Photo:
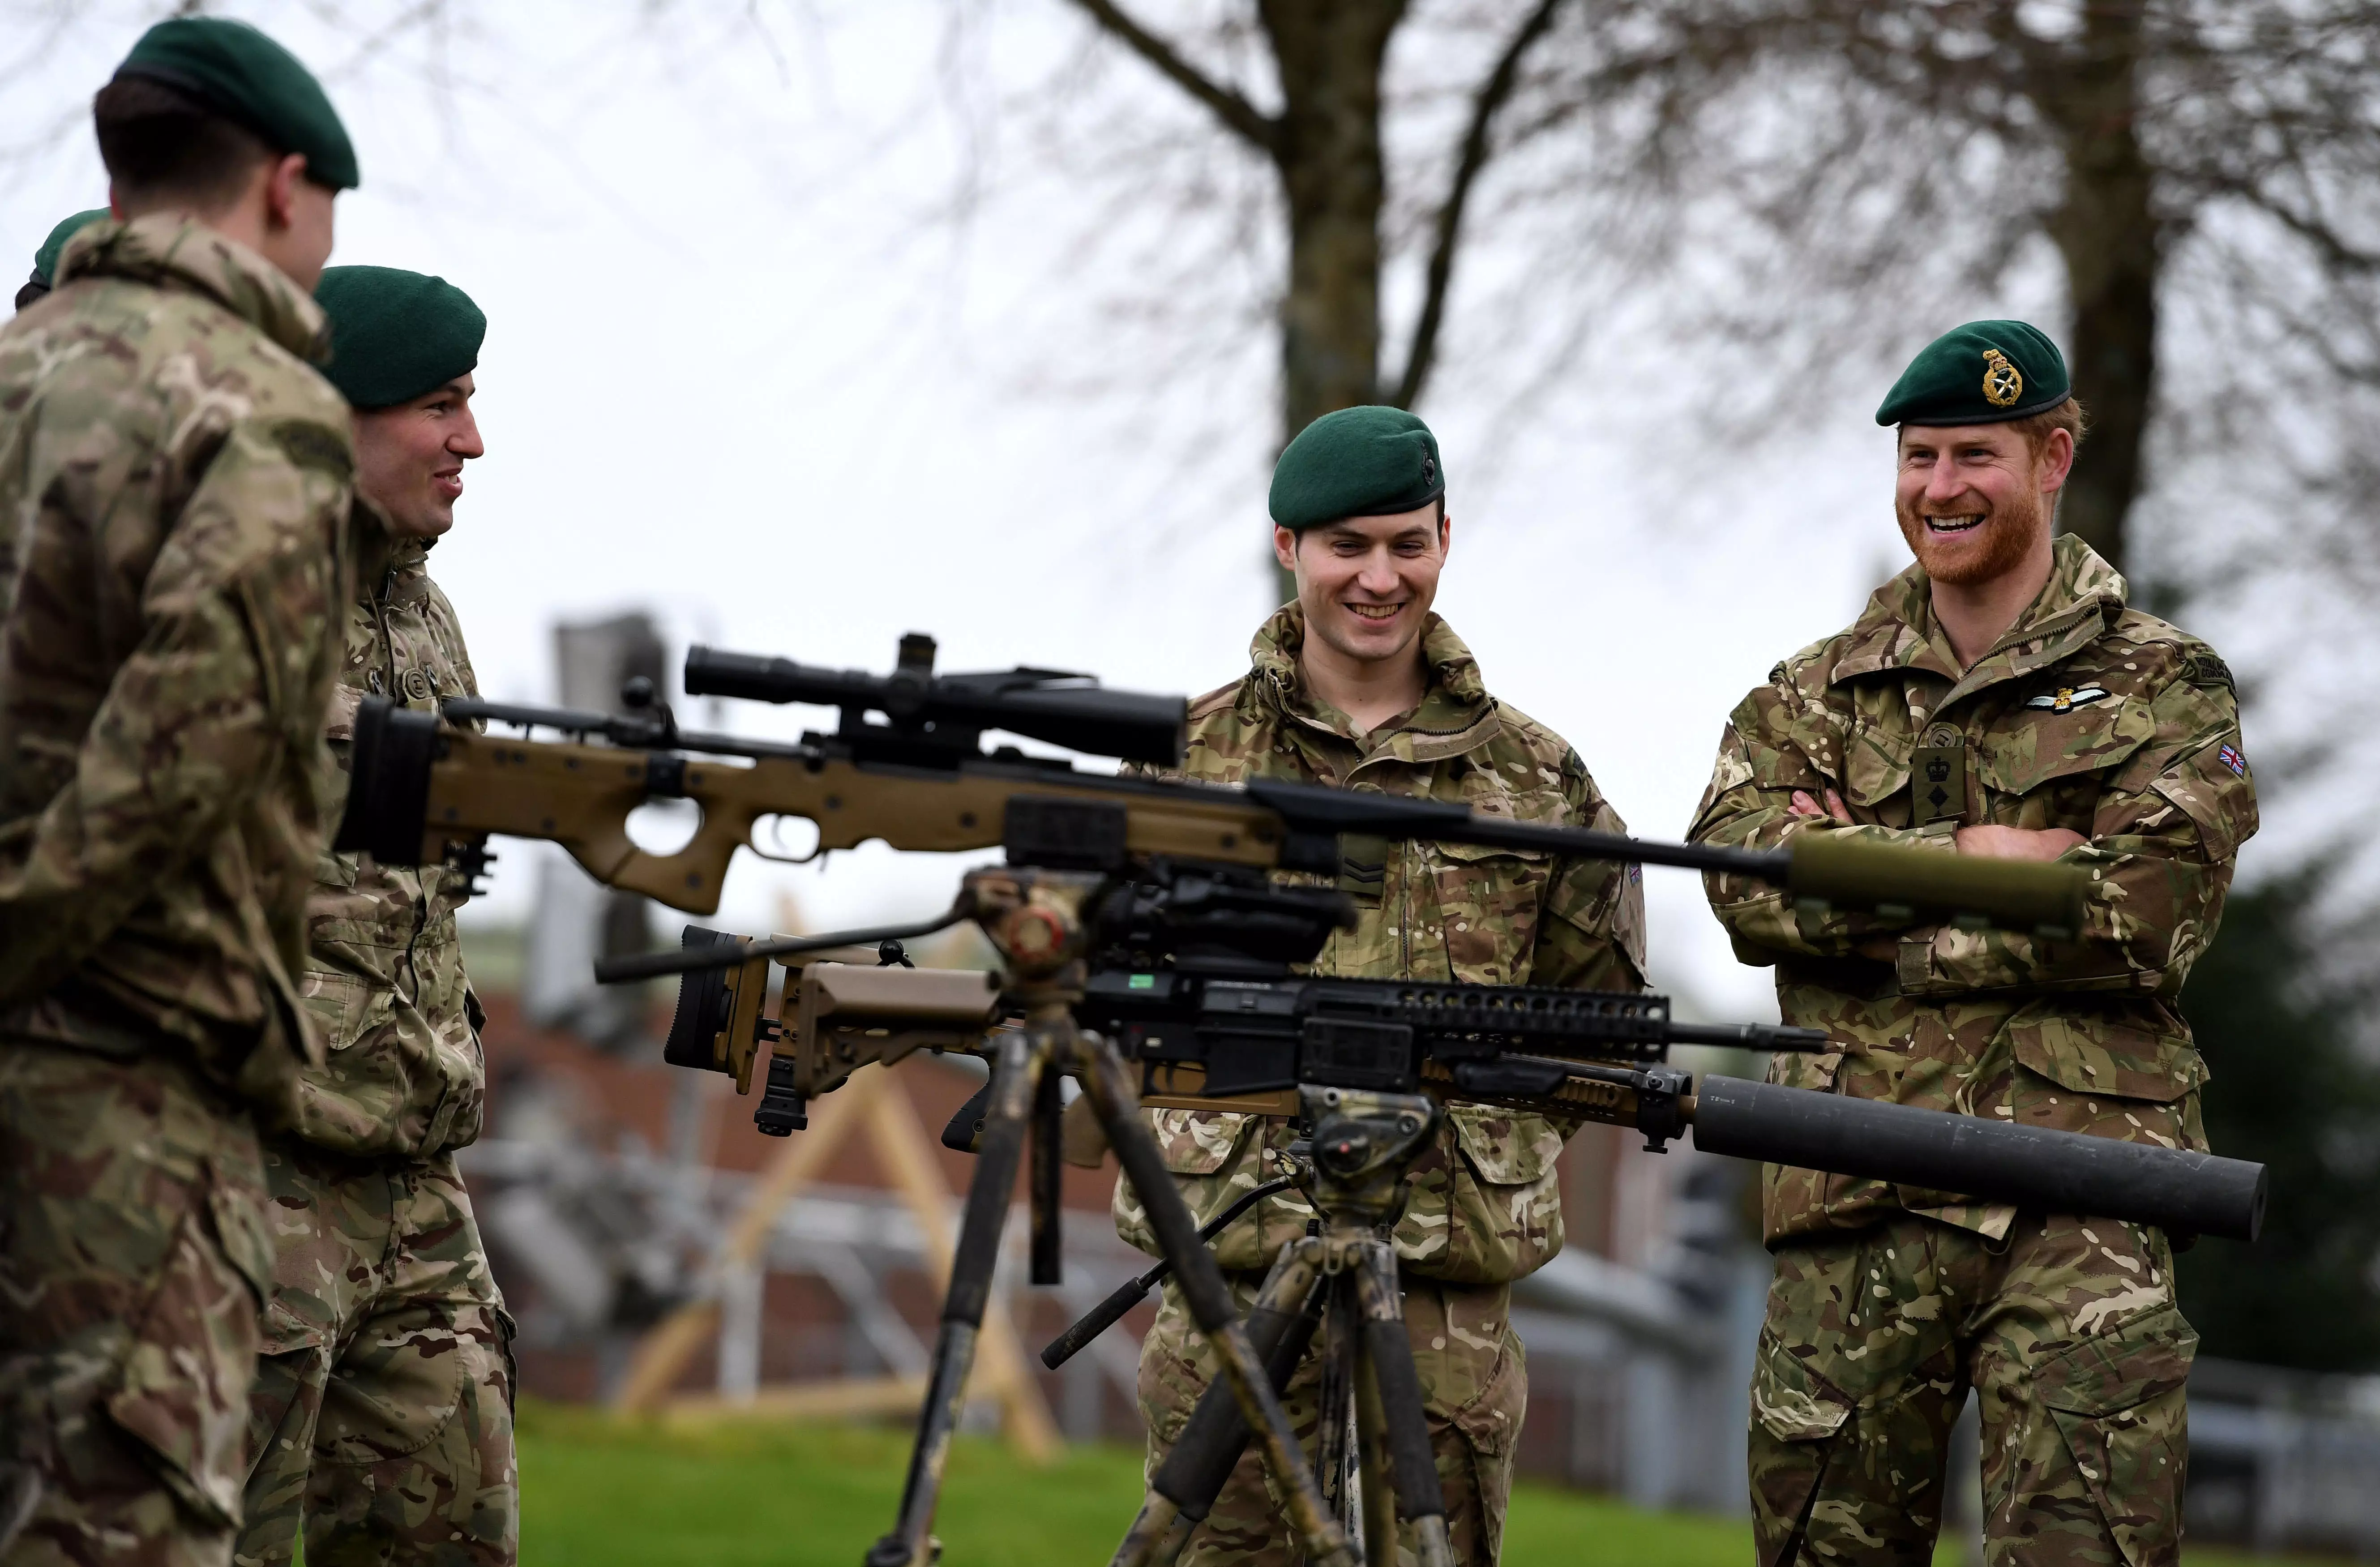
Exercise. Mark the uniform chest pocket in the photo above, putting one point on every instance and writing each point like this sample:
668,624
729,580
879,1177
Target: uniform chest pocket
2036,746
1875,765
1489,901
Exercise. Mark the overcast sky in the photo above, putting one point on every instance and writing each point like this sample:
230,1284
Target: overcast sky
743,373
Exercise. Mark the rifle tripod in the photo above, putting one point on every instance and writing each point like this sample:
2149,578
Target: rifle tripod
1340,1281
1024,1097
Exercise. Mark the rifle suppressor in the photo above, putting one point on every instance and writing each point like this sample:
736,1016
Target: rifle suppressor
2197,1194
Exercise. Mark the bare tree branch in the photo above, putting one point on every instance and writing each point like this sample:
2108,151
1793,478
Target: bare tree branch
1240,116
1421,354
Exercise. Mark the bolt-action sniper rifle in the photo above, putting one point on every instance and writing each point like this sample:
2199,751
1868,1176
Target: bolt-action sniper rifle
425,790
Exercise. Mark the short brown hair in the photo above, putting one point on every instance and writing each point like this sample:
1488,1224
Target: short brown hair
161,145
2068,416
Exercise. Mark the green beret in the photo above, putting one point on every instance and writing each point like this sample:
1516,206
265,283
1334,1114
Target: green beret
395,334
1983,372
246,76
45,260
1357,462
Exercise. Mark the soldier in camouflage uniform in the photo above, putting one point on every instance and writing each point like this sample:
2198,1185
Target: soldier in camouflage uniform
1998,697
1359,498
175,479
383,1409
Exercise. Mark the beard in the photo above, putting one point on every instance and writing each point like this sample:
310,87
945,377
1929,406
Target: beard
1994,547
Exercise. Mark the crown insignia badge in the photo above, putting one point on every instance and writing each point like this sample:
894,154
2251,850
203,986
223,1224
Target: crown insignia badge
2003,382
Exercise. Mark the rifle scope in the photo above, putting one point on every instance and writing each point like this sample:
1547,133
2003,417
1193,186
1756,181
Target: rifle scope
948,712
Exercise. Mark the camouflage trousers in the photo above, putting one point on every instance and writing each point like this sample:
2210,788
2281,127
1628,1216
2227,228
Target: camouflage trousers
383,1409
1474,1387
2069,1336
133,1260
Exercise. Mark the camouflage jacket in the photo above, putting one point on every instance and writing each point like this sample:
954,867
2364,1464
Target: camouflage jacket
175,479
2085,715
384,975
1484,1205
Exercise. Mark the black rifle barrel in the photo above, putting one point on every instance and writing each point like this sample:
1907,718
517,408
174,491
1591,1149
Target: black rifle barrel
2032,1167
1072,710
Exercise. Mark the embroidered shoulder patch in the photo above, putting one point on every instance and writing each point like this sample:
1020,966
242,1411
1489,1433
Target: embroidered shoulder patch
2066,698
2231,756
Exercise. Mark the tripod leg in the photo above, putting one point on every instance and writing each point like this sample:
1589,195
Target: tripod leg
1374,1474
1043,1175
1281,1327
1024,1064
1210,1300
1389,1355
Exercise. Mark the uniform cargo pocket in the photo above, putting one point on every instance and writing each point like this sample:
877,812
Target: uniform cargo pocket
1198,1142
1791,1404
1214,1155
182,1389
2125,1060
2120,1406
339,1005
1487,904
1501,1218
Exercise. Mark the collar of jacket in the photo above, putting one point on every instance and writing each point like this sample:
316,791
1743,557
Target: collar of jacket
2081,600
1456,712
385,559
174,250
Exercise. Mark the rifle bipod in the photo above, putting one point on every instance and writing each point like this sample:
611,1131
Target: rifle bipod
1024,1096
1341,1280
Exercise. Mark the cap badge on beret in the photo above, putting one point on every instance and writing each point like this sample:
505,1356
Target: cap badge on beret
2003,382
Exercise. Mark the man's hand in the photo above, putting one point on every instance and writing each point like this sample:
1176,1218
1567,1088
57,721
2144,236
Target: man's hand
1833,809
2018,842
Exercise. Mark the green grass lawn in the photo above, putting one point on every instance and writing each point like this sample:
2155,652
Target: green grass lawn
595,1493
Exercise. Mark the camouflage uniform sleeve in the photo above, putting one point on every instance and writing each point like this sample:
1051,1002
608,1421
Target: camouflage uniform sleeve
2164,834
1764,756
1591,935
226,678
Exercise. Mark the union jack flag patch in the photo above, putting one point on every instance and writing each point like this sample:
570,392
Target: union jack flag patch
2229,757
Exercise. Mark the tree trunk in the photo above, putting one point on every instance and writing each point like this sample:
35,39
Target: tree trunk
1329,55
2107,230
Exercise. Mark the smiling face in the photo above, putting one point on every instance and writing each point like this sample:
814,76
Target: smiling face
409,459
1975,501
1366,583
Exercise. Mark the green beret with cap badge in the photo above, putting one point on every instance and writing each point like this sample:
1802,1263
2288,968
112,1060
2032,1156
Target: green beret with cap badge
396,334
246,77
45,260
1366,461
1983,372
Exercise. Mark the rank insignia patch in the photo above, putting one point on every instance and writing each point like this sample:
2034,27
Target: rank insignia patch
2068,697
2231,757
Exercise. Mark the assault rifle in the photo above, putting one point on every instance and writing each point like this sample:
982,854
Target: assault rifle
425,790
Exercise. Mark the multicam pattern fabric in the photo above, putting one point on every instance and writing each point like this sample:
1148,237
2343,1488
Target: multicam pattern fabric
135,1265
1485,1205
381,1414
383,977
2079,1035
177,480
2068,1334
